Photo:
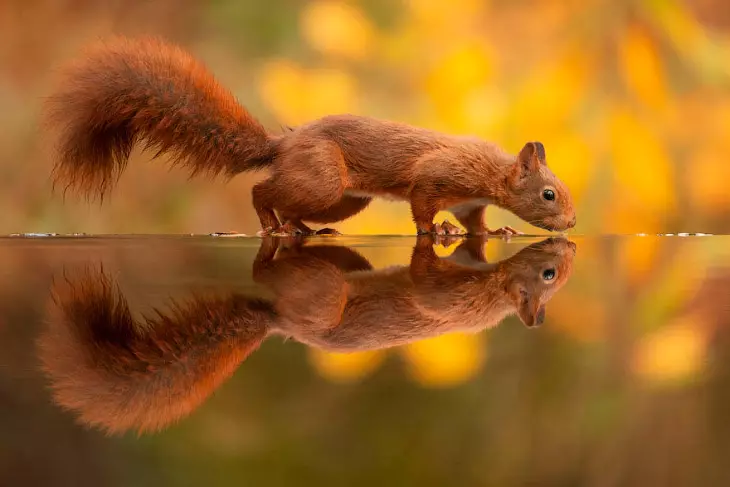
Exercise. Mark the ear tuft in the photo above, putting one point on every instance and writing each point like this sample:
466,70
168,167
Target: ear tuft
540,318
529,309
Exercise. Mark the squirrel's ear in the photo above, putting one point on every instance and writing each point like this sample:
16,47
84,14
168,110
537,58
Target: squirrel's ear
532,314
531,157
529,309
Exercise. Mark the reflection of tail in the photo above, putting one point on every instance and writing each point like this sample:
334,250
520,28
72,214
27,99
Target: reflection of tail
119,373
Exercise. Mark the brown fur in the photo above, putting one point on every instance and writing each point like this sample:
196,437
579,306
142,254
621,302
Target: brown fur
348,311
325,171
119,373
125,91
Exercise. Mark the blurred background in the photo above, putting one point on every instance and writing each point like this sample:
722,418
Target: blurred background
629,98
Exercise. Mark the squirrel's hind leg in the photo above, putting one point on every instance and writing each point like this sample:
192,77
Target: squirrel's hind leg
262,194
309,178
293,225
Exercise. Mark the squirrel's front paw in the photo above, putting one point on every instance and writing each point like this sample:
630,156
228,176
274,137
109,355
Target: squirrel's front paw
447,228
506,231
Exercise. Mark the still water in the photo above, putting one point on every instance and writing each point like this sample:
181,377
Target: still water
361,360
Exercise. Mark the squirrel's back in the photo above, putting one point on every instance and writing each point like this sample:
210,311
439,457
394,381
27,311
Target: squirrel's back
382,156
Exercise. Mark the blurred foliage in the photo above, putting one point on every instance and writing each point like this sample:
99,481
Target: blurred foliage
629,98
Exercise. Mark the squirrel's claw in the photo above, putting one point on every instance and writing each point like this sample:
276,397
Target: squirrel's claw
505,231
289,229
447,228
285,230
444,228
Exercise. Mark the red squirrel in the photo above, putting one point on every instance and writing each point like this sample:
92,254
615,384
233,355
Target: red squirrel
126,91
120,373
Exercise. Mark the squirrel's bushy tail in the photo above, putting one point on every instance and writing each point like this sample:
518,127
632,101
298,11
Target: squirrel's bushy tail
118,373
125,91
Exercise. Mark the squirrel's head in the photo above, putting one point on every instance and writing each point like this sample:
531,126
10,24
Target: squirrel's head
535,273
535,194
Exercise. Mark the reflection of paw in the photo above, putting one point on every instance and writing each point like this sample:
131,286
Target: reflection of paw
327,231
504,232
446,241
431,238
446,228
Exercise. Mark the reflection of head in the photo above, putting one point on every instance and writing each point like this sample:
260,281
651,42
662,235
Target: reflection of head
120,374
535,273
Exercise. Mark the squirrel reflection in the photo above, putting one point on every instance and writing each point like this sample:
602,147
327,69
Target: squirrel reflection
120,373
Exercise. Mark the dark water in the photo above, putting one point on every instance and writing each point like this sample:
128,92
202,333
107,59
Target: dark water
134,361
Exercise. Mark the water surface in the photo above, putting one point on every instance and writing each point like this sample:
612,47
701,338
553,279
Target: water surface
134,361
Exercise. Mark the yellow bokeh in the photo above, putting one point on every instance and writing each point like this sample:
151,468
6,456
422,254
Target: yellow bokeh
708,179
668,288
330,91
680,26
446,360
297,95
637,257
622,216
381,217
337,28
641,167
345,367
279,84
458,76
445,16
673,353
465,68
572,159
641,67
551,92
483,111
585,323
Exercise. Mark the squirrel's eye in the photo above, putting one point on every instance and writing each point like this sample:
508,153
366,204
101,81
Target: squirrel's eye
548,194
548,274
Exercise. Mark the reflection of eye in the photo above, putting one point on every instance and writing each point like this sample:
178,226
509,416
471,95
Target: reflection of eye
548,194
548,274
